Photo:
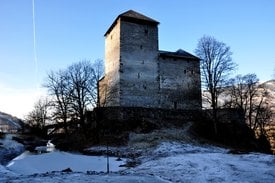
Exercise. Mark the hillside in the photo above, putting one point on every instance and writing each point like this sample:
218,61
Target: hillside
270,129
9,123
269,87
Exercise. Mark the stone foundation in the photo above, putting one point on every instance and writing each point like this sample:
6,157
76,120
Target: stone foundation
159,117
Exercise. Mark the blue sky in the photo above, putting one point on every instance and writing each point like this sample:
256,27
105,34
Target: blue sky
68,31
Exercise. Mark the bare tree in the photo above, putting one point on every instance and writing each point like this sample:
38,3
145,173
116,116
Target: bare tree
262,112
216,66
98,67
57,84
243,91
82,82
39,116
246,94
74,91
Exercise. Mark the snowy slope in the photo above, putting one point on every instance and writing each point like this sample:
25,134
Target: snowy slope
188,163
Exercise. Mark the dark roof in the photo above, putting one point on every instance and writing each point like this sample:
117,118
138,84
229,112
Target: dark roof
133,16
178,54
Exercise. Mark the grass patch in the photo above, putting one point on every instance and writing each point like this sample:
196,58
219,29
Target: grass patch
154,138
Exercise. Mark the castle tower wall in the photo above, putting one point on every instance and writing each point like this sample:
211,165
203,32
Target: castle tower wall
109,86
139,84
137,74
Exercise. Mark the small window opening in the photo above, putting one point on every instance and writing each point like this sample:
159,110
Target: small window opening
146,31
184,71
144,86
141,47
138,75
175,105
192,71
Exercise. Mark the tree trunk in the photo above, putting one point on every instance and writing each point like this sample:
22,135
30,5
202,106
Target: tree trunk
214,111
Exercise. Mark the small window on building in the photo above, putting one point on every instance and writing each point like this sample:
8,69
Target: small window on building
184,71
138,75
144,87
146,31
192,71
175,105
142,62
141,47
111,36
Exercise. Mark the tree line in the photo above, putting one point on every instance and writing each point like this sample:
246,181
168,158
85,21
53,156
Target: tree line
71,93
243,92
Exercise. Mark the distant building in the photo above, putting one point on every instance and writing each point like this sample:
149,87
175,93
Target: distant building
138,74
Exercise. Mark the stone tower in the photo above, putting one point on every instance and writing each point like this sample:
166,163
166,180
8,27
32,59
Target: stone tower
137,74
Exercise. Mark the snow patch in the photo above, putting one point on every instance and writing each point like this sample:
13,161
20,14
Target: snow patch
28,163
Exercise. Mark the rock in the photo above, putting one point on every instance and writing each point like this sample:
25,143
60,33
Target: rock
67,170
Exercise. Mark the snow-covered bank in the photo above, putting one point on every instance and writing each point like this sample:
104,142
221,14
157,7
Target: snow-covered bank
28,164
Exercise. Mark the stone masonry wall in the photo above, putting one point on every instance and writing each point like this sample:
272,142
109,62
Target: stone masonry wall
138,65
127,116
160,117
179,83
109,86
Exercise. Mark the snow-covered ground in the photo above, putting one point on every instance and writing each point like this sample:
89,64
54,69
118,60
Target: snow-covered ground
188,163
169,162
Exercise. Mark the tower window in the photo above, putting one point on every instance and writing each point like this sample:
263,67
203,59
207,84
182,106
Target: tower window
175,105
146,31
144,87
